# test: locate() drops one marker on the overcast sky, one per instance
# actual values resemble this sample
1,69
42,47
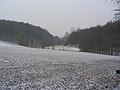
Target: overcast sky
57,16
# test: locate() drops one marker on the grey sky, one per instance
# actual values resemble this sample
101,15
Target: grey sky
57,16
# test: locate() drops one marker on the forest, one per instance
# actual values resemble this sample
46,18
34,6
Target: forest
99,39
26,34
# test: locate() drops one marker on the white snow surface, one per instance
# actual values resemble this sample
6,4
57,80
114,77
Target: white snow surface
23,68
4,43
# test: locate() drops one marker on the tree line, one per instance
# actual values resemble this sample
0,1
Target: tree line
26,34
99,39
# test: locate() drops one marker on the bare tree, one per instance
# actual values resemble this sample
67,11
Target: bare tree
117,10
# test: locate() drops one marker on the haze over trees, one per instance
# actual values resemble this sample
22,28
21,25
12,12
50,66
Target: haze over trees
26,34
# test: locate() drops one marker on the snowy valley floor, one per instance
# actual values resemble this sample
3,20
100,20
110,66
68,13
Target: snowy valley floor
23,68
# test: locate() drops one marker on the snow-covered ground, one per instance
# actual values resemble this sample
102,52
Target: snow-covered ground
8,44
23,68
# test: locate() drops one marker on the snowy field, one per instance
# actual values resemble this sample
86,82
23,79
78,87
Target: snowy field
23,68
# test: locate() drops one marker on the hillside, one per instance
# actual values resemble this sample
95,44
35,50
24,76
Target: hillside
25,34
100,39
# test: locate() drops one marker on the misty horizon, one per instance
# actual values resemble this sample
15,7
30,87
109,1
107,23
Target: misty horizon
57,16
